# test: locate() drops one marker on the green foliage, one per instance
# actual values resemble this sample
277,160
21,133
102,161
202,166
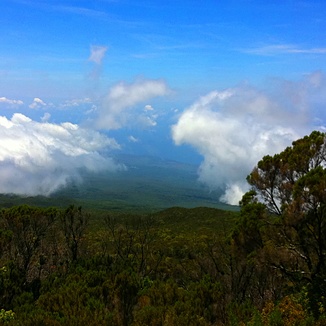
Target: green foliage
290,185
133,258
166,303
263,266
73,224
6,316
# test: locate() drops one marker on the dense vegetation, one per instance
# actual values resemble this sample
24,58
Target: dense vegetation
262,266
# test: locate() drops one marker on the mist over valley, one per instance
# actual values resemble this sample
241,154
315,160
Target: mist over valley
142,184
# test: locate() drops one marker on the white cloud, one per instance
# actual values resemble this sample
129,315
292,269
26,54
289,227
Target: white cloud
11,102
148,107
233,193
97,54
92,109
37,103
76,102
119,106
146,121
276,49
46,117
40,157
235,128
133,139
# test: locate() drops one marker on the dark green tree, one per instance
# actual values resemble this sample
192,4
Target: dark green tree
24,241
132,242
27,228
74,223
292,187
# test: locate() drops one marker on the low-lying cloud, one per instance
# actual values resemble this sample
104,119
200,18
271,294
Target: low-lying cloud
38,158
233,129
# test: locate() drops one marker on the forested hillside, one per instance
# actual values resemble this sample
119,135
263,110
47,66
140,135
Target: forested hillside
264,265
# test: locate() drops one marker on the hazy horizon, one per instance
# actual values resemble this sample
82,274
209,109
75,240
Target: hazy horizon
217,85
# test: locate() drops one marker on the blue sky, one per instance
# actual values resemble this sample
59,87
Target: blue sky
45,45
220,84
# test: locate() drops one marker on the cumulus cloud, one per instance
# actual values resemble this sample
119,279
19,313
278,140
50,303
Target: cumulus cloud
37,103
233,129
41,157
97,54
120,105
10,102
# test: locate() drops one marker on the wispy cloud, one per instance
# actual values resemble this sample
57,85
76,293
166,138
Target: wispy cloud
276,49
76,102
78,10
97,53
133,139
148,107
10,102
46,117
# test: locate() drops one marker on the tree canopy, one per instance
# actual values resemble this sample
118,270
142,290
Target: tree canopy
291,186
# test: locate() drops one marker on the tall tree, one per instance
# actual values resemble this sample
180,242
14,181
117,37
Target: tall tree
27,227
74,223
292,187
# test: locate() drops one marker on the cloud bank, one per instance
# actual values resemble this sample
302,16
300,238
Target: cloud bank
119,108
233,129
38,158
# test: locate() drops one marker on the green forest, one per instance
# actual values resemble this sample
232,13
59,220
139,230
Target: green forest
262,265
